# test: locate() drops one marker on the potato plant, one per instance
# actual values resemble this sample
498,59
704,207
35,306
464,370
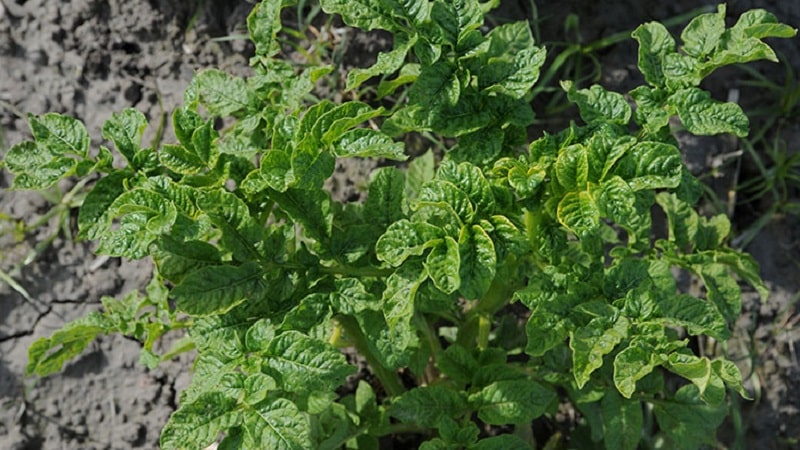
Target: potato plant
482,287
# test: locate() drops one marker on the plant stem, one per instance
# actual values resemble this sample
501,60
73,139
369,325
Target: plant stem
389,378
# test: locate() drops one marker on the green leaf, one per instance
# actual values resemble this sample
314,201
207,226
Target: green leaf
443,264
622,422
632,364
437,86
699,372
277,424
478,263
590,343
502,442
311,208
702,35
572,167
125,129
364,14
722,290
198,424
143,215
331,125
386,199
420,171
654,43
512,401
264,23
457,363
699,317
302,364
368,143
428,406
36,166
687,420
702,115
387,62
93,213
651,165
398,303
181,160
471,180
512,62
175,259
48,355
241,235
456,18
221,93
404,239
62,135
448,199
217,289
579,213
312,164
598,105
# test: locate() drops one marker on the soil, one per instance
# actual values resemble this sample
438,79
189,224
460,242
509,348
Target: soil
90,58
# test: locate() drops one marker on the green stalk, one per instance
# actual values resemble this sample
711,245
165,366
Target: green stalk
389,378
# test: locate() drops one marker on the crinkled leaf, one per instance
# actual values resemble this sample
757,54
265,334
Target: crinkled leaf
651,165
62,135
722,290
302,364
93,213
599,105
448,199
654,43
386,199
36,166
622,422
175,259
311,208
264,23
277,424
702,115
199,423
471,180
632,364
443,264
221,93
699,371
591,342
428,405
512,401
478,261
217,289
364,14
572,167
702,35
405,238
368,143
437,86
143,216
125,130
387,62
398,302
579,213
331,125
48,355
687,420
698,316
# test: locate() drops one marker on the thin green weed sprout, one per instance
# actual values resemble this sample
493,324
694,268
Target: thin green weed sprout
777,182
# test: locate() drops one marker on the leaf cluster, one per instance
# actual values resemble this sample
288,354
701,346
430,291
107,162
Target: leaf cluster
271,277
